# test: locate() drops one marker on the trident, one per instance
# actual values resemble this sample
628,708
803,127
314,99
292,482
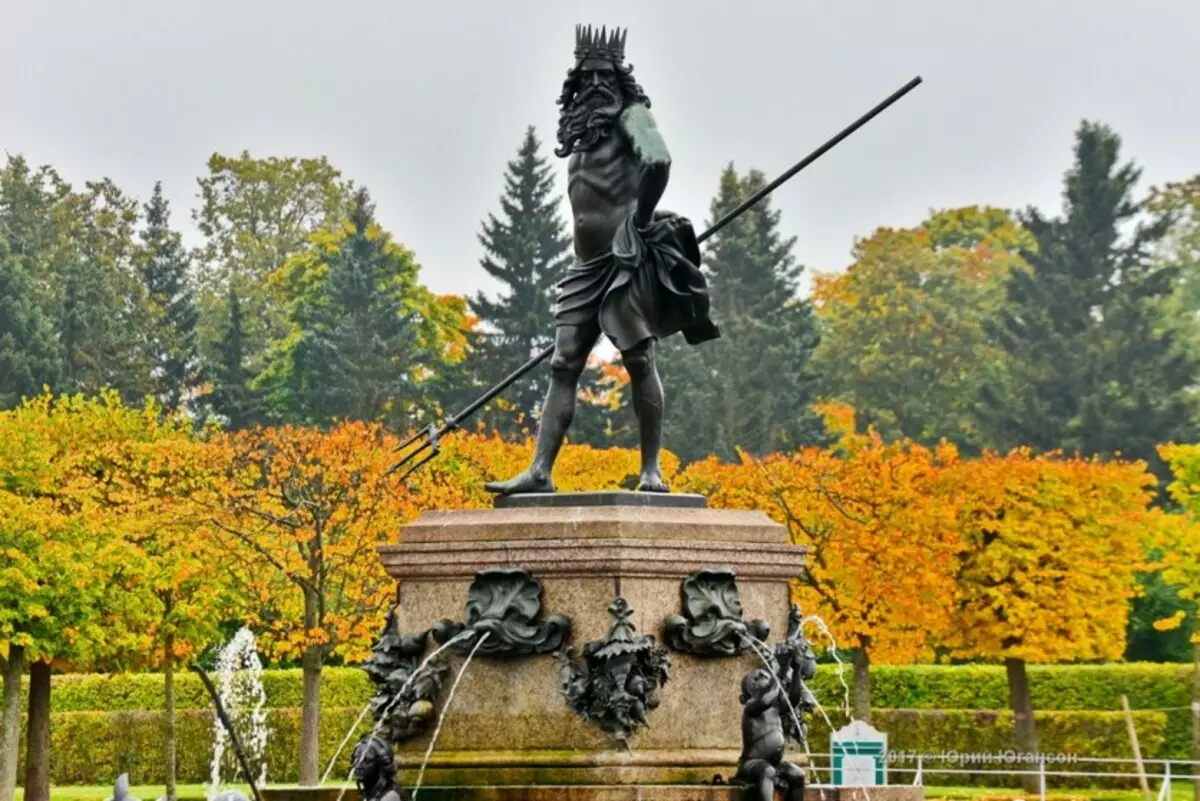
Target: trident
430,438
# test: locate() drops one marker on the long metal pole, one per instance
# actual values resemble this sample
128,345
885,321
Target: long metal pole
228,724
455,421
741,209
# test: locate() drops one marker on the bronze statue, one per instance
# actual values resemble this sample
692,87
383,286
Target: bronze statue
637,277
761,764
637,274
375,771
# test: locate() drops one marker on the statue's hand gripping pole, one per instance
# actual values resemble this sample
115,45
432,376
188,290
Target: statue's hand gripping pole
430,437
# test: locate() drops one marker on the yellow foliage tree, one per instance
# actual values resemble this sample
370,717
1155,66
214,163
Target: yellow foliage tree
1051,547
882,539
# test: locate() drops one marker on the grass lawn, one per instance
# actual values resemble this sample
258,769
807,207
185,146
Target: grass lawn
1180,791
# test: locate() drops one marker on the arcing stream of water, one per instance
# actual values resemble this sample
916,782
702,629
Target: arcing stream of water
442,717
383,715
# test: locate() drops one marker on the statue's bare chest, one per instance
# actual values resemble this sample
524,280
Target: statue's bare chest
607,175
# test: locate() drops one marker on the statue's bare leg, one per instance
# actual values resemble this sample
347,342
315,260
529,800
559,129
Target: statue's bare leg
647,391
794,777
572,344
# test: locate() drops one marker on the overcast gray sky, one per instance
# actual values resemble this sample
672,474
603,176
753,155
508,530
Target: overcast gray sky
424,102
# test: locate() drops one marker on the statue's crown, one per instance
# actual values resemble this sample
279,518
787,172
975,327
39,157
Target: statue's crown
592,43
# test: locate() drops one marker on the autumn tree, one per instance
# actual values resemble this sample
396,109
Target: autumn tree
1050,548
366,334
69,577
752,388
150,486
902,328
1089,365
302,511
881,534
163,266
1179,545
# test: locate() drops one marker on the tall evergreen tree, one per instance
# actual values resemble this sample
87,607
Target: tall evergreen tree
751,388
526,249
233,396
358,309
1090,367
171,338
28,352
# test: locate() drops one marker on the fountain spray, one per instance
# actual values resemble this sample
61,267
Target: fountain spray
228,724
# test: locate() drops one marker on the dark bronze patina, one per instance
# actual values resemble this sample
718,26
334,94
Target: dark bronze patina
636,278
617,684
506,604
404,699
712,623
375,771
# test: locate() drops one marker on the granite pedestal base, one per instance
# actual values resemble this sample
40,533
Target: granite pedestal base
604,793
508,724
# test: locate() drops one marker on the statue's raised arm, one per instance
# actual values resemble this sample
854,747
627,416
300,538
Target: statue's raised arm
651,150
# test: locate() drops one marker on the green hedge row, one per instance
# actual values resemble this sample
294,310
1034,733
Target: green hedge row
1149,686
135,692
1053,687
95,747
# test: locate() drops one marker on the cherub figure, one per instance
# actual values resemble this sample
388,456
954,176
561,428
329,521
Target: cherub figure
761,764
375,771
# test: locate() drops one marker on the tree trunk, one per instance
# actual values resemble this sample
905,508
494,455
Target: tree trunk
37,737
311,719
1024,726
310,726
169,710
1196,720
862,684
10,734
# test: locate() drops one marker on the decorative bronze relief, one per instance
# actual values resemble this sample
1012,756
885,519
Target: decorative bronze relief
711,623
507,604
617,684
403,700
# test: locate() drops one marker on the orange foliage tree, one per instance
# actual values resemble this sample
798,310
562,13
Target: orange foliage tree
302,511
1051,547
882,539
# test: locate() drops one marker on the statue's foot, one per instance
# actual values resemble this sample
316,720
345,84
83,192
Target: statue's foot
652,481
529,481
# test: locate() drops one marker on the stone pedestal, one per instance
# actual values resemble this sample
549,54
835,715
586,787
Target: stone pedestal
508,723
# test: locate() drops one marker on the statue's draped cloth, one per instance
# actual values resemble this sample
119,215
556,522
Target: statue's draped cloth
649,285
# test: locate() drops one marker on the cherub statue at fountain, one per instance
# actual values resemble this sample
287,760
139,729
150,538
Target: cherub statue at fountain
375,771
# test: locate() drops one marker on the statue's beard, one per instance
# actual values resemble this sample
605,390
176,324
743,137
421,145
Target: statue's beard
589,118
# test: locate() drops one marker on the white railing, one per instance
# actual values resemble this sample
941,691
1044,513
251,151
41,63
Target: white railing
1043,766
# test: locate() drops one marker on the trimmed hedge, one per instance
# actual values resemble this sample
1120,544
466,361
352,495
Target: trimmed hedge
1053,687
117,692
96,747
1149,686
101,723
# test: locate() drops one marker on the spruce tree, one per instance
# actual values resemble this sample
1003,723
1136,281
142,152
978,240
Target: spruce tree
233,396
1090,366
527,250
751,388
28,351
171,338
359,350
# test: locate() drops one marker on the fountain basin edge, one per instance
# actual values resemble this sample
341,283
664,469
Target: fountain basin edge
641,792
